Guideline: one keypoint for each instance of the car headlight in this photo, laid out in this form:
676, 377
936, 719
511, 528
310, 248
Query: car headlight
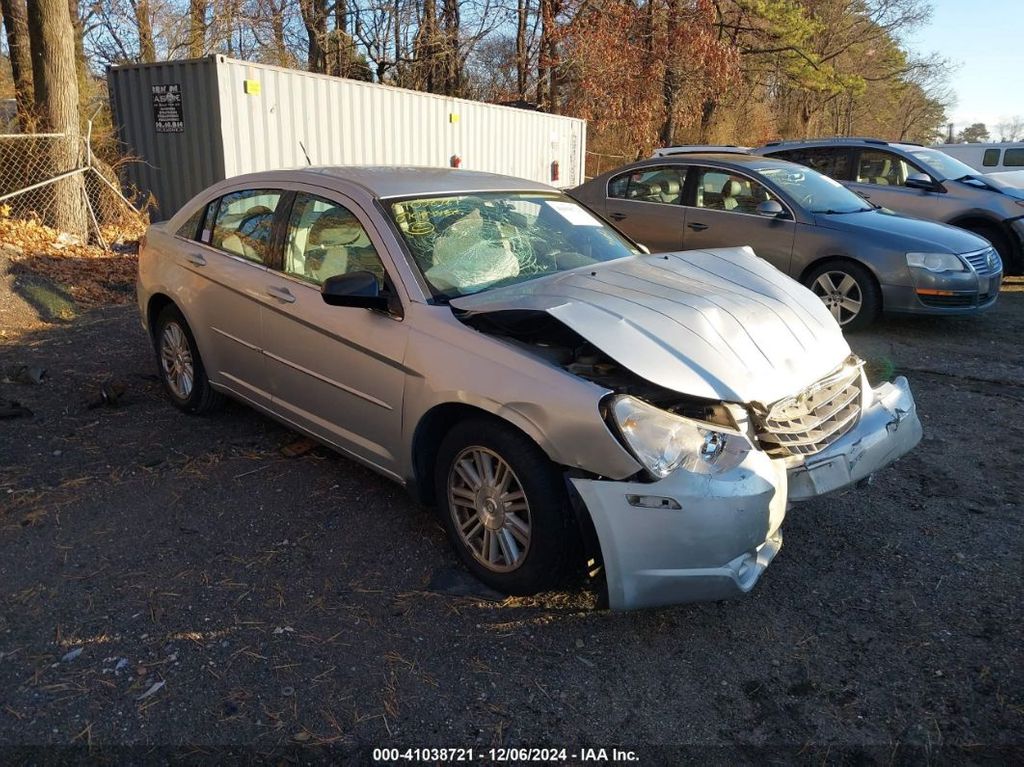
936, 262
664, 442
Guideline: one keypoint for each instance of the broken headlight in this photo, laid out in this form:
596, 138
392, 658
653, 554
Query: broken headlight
664, 442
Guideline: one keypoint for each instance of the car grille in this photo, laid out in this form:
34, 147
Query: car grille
983, 261
814, 419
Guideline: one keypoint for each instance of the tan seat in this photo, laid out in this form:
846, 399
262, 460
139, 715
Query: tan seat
731, 189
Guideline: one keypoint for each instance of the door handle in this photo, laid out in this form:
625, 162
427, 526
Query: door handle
697, 227
616, 216
196, 258
281, 294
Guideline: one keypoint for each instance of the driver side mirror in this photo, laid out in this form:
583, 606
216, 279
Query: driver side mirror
921, 181
356, 289
770, 209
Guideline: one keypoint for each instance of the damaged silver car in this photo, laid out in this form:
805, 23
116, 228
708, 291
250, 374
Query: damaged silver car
556, 393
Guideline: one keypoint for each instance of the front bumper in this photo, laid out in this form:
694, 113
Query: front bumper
704, 538
888, 429
965, 293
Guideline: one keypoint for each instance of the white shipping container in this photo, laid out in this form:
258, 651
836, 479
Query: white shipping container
198, 121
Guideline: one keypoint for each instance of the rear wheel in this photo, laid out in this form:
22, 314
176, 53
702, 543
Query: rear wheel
181, 367
1011, 264
504, 507
848, 290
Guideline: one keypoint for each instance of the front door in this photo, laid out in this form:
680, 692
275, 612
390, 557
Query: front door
880, 177
335, 371
723, 213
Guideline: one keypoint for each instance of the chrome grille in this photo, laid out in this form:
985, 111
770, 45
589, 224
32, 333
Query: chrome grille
814, 419
983, 261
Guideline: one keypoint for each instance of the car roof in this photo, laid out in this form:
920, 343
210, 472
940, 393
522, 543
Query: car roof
741, 159
839, 141
400, 181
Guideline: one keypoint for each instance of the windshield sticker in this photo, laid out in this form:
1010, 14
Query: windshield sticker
574, 214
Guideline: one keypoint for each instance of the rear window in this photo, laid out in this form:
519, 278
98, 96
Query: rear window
1013, 158
991, 158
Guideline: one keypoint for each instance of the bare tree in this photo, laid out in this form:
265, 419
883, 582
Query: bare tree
55, 77
16, 24
1011, 128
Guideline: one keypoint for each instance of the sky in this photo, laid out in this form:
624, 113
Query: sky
983, 37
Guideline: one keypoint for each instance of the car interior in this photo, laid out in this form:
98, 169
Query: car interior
327, 240
719, 191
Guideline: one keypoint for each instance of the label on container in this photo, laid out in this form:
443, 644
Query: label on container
167, 112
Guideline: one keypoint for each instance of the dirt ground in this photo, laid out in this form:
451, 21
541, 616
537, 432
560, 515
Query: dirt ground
171, 580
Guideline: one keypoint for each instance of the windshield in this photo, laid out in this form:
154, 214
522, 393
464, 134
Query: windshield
817, 193
470, 243
941, 164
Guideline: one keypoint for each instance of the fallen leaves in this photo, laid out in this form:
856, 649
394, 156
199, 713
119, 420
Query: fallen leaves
91, 275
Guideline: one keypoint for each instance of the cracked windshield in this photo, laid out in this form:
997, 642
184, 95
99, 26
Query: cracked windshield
470, 243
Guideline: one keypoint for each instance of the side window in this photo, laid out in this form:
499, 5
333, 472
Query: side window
662, 185
244, 222
190, 229
991, 158
1013, 158
325, 239
721, 190
832, 161
883, 168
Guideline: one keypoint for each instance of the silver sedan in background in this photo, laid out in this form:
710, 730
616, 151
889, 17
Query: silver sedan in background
489, 343
859, 259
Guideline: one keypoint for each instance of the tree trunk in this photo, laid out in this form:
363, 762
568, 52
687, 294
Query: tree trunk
314, 18
452, 70
16, 23
55, 76
144, 25
672, 83
707, 114
547, 84
522, 64
196, 28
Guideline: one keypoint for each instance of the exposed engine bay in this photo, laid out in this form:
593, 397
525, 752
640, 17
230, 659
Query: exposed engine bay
543, 336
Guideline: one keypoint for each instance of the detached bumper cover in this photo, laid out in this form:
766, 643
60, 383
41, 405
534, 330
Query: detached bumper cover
887, 430
699, 537
715, 545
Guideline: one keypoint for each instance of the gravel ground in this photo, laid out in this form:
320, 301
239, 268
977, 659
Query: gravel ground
171, 580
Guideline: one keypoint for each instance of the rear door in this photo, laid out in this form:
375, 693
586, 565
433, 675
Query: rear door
646, 204
335, 371
722, 213
226, 261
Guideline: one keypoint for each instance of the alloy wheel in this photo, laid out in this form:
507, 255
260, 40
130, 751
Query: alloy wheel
489, 509
176, 360
841, 293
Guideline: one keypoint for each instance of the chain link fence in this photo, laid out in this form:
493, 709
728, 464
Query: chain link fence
34, 166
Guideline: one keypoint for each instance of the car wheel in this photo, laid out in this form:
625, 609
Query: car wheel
848, 290
1000, 242
504, 507
181, 367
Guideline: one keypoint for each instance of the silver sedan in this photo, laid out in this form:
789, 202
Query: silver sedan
558, 395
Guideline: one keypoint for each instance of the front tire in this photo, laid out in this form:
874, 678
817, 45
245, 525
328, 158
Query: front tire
504, 507
848, 290
1001, 243
181, 368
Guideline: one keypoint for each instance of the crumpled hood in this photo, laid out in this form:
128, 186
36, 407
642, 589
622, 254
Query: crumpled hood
719, 324
913, 233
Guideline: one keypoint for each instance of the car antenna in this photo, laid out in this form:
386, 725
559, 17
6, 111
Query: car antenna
305, 153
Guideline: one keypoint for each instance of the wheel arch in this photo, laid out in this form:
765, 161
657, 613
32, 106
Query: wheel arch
156, 304
431, 430
845, 259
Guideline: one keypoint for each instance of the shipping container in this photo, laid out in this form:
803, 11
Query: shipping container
193, 122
